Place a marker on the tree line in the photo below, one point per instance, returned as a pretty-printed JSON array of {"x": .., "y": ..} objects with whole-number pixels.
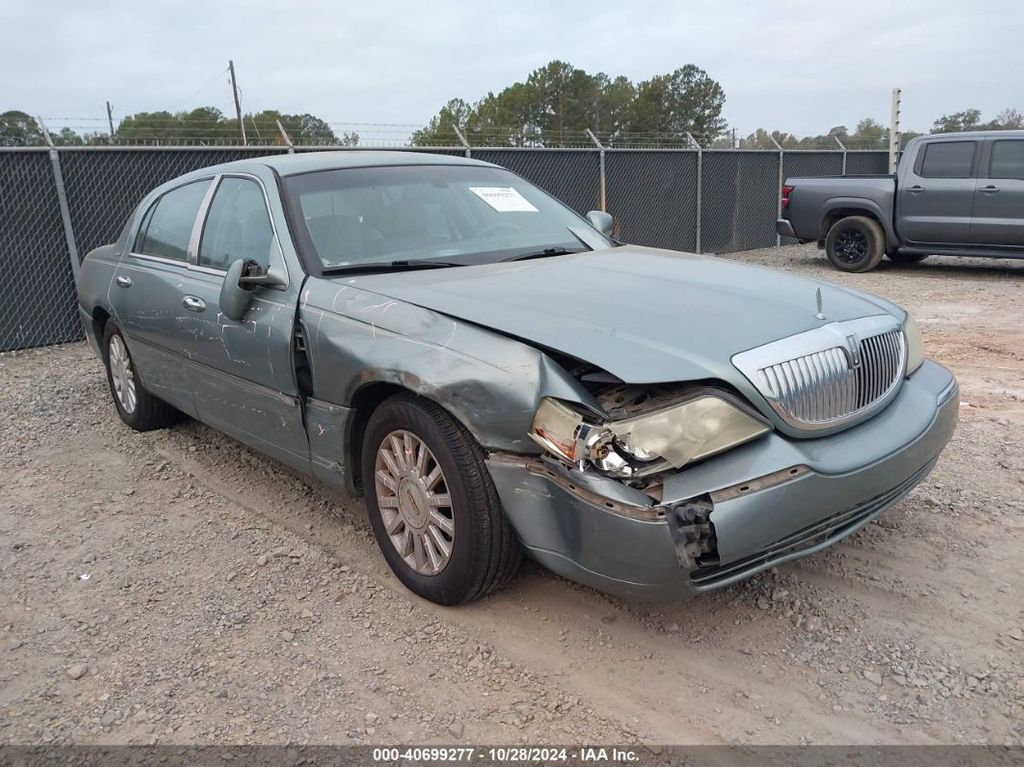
[
  {"x": 558, "y": 103},
  {"x": 871, "y": 134},
  {"x": 204, "y": 125},
  {"x": 555, "y": 105}
]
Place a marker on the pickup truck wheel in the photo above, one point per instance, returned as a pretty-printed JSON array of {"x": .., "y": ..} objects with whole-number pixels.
[
  {"x": 855, "y": 244},
  {"x": 136, "y": 406},
  {"x": 905, "y": 258},
  {"x": 432, "y": 505}
]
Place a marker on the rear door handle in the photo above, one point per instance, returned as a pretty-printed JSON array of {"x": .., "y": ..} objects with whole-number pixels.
[
  {"x": 990, "y": 189},
  {"x": 915, "y": 188},
  {"x": 193, "y": 304},
  {"x": 123, "y": 281}
]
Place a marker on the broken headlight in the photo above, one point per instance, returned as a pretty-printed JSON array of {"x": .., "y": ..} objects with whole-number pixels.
[{"x": 668, "y": 437}]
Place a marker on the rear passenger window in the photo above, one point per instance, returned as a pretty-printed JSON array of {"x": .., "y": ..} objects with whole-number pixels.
[
  {"x": 237, "y": 226},
  {"x": 948, "y": 159},
  {"x": 1007, "y": 160},
  {"x": 167, "y": 227}
]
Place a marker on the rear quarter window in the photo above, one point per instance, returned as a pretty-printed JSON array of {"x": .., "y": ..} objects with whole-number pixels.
[{"x": 167, "y": 227}]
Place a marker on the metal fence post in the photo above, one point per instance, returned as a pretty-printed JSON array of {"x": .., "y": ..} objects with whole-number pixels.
[
  {"x": 841, "y": 146},
  {"x": 778, "y": 196},
  {"x": 700, "y": 184},
  {"x": 286, "y": 137},
  {"x": 62, "y": 200},
  {"x": 462, "y": 140},
  {"x": 600, "y": 155}
]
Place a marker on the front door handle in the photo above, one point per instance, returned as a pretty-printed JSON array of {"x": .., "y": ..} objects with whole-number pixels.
[
  {"x": 915, "y": 188},
  {"x": 193, "y": 304},
  {"x": 990, "y": 189},
  {"x": 123, "y": 281}
]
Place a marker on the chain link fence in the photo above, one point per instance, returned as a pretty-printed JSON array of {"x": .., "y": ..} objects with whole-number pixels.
[{"x": 57, "y": 204}]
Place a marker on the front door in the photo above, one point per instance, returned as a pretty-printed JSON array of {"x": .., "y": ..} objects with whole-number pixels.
[
  {"x": 243, "y": 379},
  {"x": 937, "y": 193},
  {"x": 999, "y": 196}
]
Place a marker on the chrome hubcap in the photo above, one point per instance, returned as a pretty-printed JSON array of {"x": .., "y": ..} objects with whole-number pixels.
[
  {"x": 414, "y": 502},
  {"x": 121, "y": 375}
]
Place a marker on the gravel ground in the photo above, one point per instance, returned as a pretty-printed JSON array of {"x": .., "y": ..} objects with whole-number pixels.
[{"x": 175, "y": 587}]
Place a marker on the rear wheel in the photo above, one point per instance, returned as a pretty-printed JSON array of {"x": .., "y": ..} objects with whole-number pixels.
[
  {"x": 136, "y": 406},
  {"x": 855, "y": 244},
  {"x": 905, "y": 258},
  {"x": 432, "y": 505}
]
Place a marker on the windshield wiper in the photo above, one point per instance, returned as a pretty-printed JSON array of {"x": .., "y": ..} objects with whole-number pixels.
[
  {"x": 399, "y": 265},
  {"x": 543, "y": 254}
]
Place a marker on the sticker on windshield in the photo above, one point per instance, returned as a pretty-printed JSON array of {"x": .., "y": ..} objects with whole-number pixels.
[{"x": 505, "y": 199}]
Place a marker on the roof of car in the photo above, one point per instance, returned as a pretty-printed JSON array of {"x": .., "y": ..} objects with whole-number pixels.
[
  {"x": 994, "y": 134},
  {"x": 306, "y": 162}
]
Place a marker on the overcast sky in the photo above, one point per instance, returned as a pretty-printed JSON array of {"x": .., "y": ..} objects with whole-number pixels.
[{"x": 801, "y": 66}]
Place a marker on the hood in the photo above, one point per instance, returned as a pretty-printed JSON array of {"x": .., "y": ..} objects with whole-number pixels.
[{"x": 644, "y": 315}]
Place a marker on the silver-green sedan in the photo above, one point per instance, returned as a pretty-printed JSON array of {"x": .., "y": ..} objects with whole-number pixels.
[{"x": 499, "y": 376}]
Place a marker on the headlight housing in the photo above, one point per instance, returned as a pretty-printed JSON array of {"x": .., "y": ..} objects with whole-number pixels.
[
  {"x": 915, "y": 345},
  {"x": 701, "y": 425}
]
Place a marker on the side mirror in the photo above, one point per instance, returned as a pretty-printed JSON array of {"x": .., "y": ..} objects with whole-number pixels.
[
  {"x": 601, "y": 221},
  {"x": 235, "y": 294}
]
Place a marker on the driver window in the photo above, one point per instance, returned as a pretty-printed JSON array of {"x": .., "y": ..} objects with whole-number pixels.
[{"x": 237, "y": 226}]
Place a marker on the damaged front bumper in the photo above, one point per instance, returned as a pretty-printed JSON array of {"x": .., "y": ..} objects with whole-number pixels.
[{"x": 733, "y": 515}]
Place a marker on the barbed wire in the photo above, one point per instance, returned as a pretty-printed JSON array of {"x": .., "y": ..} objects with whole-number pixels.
[{"x": 165, "y": 131}]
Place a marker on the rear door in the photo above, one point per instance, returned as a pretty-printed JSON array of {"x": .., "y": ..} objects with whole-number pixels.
[
  {"x": 937, "y": 193},
  {"x": 999, "y": 195},
  {"x": 241, "y": 372},
  {"x": 148, "y": 287}
]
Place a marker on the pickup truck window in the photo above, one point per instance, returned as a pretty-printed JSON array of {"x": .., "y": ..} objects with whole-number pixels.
[
  {"x": 167, "y": 227},
  {"x": 948, "y": 159},
  {"x": 1007, "y": 160}
]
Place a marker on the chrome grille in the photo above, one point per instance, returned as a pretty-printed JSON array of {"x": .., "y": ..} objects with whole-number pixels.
[{"x": 830, "y": 375}]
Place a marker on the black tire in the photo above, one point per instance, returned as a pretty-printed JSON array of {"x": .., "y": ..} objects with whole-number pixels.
[
  {"x": 149, "y": 412},
  {"x": 905, "y": 258},
  {"x": 485, "y": 554},
  {"x": 855, "y": 244}
]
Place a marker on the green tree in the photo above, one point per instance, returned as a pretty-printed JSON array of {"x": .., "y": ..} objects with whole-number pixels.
[
  {"x": 440, "y": 131},
  {"x": 1008, "y": 119},
  {"x": 969, "y": 119},
  {"x": 558, "y": 103},
  {"x": 869, "y": 134},
  {"x": 304, "y": 129},
  {"x": 685, "y": 101},
  {"x": 19, "y": 129}
]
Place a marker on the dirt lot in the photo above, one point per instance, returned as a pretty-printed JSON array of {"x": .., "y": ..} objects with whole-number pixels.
[{"x": 175, "y": 587}]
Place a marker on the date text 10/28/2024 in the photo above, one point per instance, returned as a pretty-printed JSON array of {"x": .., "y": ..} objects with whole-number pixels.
[{"x": 532, "y": 754}]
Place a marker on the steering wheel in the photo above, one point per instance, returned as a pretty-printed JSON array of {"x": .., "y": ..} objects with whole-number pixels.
[{"x": 494, "y": 230}]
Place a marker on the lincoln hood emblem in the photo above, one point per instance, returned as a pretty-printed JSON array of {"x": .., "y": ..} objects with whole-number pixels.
[{"x": 817, "y": 303}]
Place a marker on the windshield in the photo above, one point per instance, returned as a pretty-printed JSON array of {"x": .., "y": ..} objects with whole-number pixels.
[{"x": 458, "y": 214}]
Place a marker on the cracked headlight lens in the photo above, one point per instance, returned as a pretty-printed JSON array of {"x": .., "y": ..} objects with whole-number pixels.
[
  {"x": 667, "y": 437},
  {"x": 915, "y": 345}
]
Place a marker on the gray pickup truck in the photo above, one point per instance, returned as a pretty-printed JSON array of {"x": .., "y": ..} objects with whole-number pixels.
[{"x": 953, "y": 194}]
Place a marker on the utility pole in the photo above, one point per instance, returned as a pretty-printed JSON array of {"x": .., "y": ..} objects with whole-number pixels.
[
  {"x": 110, "y": 122},
  {"x": 238, "y": 104},
  {"x": 894, "y": 131}
]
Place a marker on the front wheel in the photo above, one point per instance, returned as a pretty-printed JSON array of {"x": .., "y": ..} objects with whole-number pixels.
[
  {"x": 855, "y": 244},
  {"x": 432, "y": 505}
]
